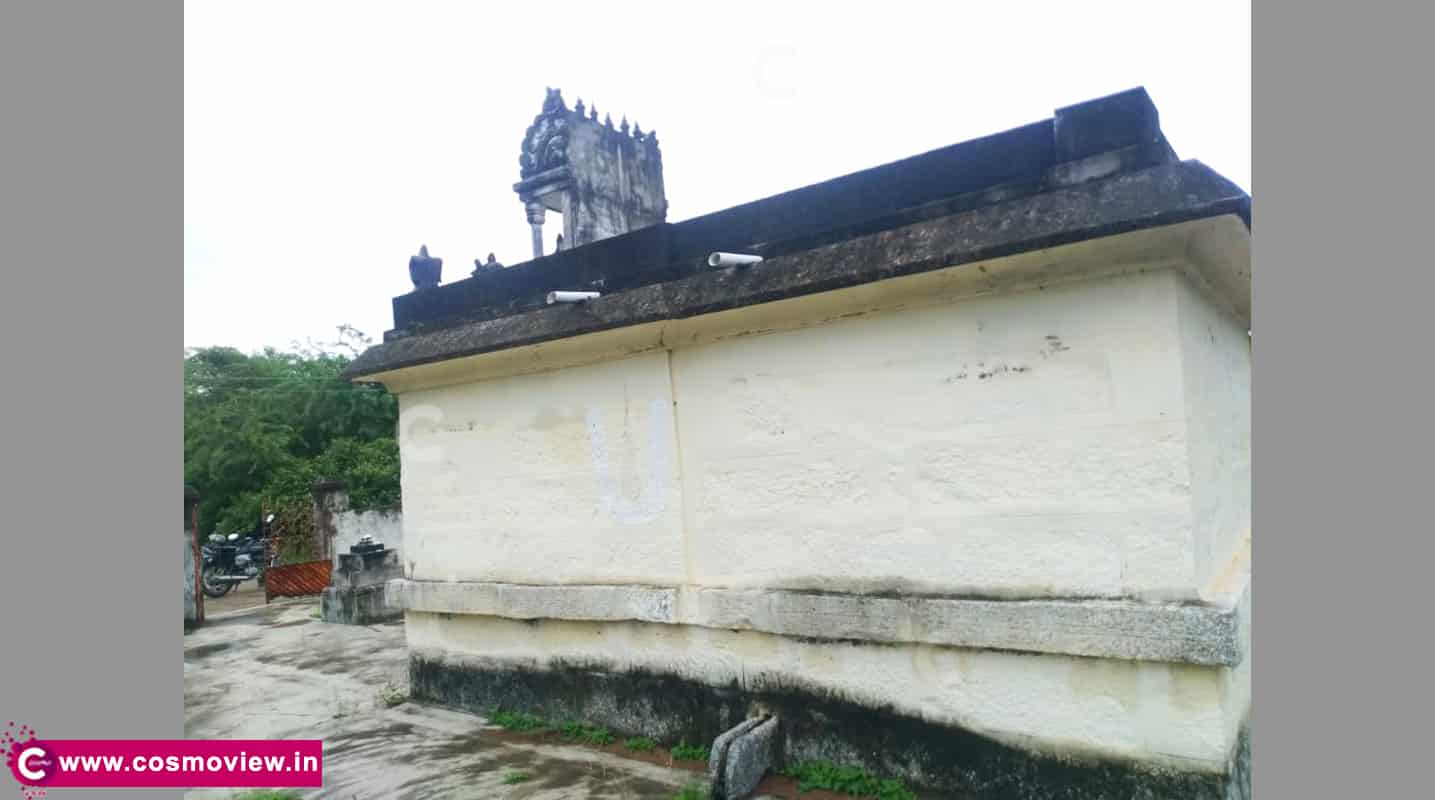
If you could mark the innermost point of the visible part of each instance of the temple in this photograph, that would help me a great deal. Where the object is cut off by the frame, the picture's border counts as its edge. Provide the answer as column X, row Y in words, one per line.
column 941, row 468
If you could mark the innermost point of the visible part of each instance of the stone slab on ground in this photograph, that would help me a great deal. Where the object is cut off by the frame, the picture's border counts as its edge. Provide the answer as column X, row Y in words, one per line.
column 749, row 757
column 279, row 672
column 717, row 758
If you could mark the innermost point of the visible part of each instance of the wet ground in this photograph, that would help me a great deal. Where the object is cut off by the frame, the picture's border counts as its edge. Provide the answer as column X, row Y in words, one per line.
column 245, row 595
column 276, row 672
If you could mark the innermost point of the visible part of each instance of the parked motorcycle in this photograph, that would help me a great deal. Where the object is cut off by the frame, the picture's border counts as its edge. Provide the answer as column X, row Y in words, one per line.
column 227, row 561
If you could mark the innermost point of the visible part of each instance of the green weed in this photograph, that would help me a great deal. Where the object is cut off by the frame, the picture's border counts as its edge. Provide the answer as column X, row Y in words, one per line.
column 585, row 733
column 517, row 721
column 682, row 751
column 847, row 780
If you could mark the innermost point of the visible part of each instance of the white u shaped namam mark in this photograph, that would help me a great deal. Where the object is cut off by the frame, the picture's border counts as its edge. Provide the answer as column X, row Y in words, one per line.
column 653, row 496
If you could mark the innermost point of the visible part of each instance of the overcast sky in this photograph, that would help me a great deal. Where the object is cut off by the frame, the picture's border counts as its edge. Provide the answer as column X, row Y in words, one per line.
column 326, row 141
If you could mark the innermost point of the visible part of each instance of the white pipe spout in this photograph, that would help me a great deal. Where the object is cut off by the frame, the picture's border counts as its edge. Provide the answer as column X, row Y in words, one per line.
column 732, row 260
column 571, row 297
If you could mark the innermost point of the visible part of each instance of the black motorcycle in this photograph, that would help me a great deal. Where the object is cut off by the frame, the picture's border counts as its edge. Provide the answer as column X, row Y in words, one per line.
column 227, row 561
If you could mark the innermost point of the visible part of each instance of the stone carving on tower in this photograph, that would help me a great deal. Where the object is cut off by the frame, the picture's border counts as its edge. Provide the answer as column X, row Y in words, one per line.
column 605, row 181
column 545, row 146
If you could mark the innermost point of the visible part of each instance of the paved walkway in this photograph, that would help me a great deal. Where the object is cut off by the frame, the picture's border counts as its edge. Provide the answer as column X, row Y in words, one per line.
column 279, row 672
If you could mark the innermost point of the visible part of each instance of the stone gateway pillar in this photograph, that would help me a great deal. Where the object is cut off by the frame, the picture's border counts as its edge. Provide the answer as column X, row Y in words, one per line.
column 193, row 598
column 331, row 498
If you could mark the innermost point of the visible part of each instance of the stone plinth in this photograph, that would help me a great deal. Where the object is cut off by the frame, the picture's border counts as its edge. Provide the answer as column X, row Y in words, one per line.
column 356, row 593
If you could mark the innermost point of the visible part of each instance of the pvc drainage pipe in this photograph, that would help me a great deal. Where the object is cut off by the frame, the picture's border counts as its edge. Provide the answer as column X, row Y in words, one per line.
column 571, row 297
column 732, row 260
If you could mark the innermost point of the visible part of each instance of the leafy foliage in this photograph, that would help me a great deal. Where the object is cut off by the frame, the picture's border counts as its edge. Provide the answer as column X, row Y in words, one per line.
column 259, row 429
column 847, row 780
column 516, row 777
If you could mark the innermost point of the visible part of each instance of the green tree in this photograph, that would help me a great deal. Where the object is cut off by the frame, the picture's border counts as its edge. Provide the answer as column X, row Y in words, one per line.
column 260, row 428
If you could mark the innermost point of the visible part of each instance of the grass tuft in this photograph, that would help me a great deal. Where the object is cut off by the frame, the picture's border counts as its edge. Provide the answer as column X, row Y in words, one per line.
column 517, row 721
column 642, row 744
column 515, row 777
column 847, row 780
column 585, row 733
column 267, row 794
column 682, row 751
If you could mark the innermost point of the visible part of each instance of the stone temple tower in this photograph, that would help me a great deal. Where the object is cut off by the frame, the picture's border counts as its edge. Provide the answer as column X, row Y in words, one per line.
column 605, row 181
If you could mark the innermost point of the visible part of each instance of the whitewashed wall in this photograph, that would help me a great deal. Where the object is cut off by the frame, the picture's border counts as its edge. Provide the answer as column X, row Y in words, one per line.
column 561, row 477
column 1089, row 440
column 1033, row 444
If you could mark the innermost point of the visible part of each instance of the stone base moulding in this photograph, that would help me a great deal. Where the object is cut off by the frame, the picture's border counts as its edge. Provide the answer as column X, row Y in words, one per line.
column 814, row 724
column 1181, row 633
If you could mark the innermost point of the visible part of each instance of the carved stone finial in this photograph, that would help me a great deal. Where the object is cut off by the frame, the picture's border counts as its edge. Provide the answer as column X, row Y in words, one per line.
column 424, row 270
column 653, row 138
column 578, row 108
column 637, row 131
column 593, row 114
column 624, row 126
column 545, row 145
column 553, row 103
column 608, row 121
column 558, row 246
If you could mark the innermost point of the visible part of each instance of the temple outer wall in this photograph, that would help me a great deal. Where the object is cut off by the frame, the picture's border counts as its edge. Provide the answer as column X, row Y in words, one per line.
column 1033, row 445
column 1020, row 516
